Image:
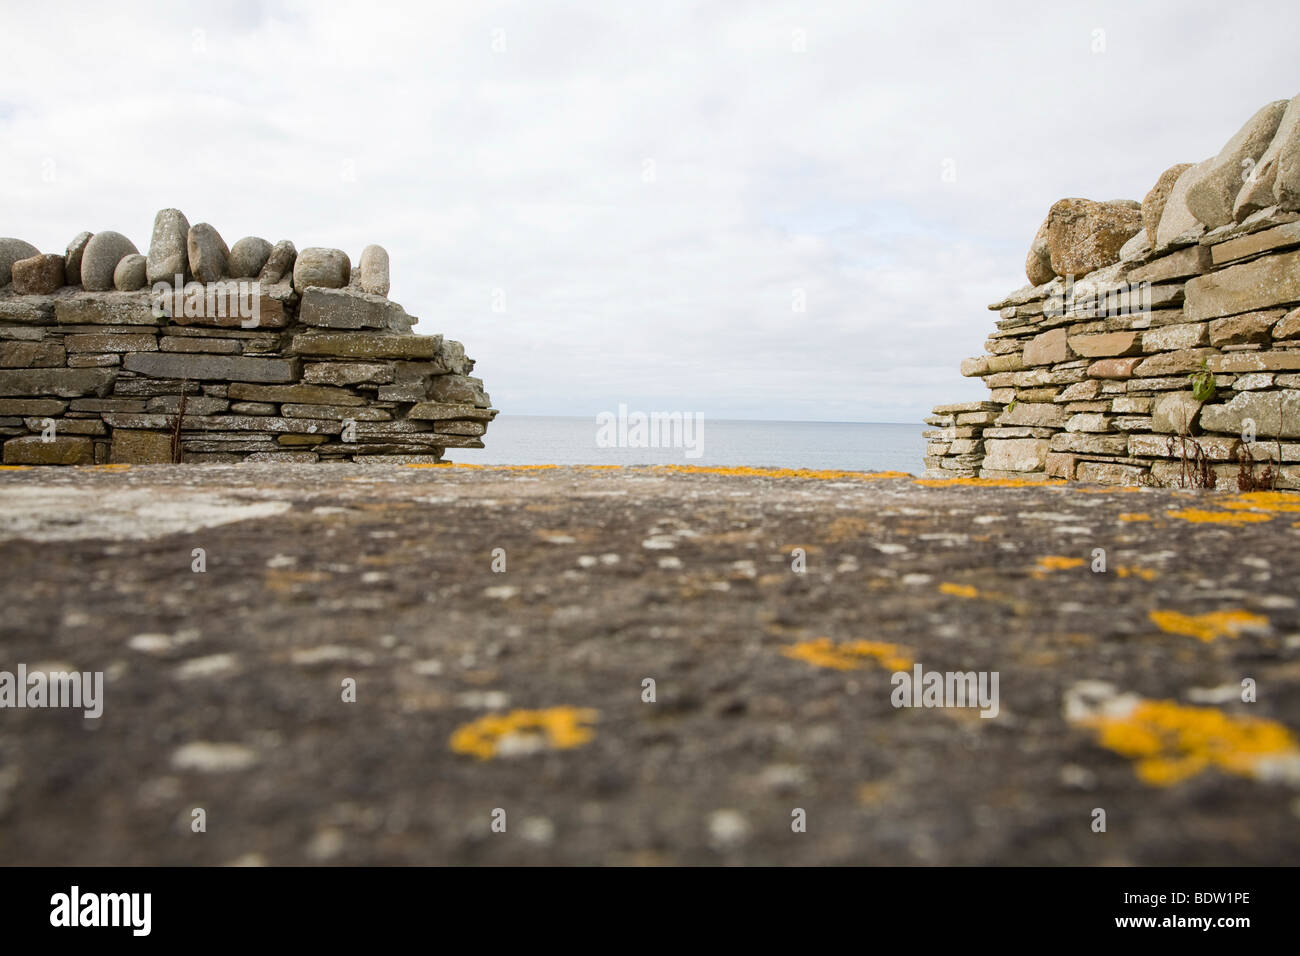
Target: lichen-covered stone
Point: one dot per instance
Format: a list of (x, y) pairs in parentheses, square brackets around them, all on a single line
[(168, 252), (38, 275), (1084, 236), (11, 251)]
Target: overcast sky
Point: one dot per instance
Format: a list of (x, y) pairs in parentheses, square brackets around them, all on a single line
[(622, 202)]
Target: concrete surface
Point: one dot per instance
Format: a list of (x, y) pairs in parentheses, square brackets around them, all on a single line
[(522, 691)]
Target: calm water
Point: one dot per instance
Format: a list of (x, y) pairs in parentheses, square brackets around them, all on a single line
[(857, 446)]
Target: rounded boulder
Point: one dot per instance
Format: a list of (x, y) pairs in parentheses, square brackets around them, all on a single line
[(99, 261), (131, 273), (208, 252), (11, 251), (247, 257), (325, 268)]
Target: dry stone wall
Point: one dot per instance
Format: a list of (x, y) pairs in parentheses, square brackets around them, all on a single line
[(202, 352), (1157, 343)]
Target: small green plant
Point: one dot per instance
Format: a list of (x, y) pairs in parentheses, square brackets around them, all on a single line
[(1013, 404), (1203, 384)]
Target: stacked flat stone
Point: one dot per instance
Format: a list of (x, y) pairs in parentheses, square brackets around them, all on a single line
[(92, 374), (1092, 379)]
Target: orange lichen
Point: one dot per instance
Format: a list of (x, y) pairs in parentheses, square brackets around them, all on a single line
[(1129, 571), (986, 483), (744, 470), (1273, 501), (849, 656), (1170, 742), (959, 590), (556, 728), (1209, 627), (1057, 562), (1135, 516), (472, 467), (1201, 516)]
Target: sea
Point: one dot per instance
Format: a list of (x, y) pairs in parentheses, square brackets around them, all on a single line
[(850, 446)]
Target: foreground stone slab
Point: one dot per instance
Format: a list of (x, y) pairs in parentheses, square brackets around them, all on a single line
[(380, 573)]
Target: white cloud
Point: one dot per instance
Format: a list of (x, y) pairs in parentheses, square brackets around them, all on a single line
[(523, 170)]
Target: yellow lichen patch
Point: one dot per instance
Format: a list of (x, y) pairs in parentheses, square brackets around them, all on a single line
[(1264, 501), (15, 467), (1058, 562), (986, 483), (959, 590), (1201, 516), (745, 470), (556, 728), (1170, 742), (116, 467), (849, 656), (1054, 562), (1209, 627), (1130, 571), (452, 464), (1135, 516)]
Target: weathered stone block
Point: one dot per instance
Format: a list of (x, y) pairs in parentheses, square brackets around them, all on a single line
[(1175, 413), (1113, 367), (1171, 363), (347, 373), (336, 412), (62, 450), (32, 355), (1242, 329), (302, 394), (63, 382), (112, 342), (1190, 261), (1247, 287), (438, 411), (1274, 361), (352, 309), (1104, 345), (1016, 454), (1275, 414), (1109, 473), (140, 447), (1047, 348), (229, 368), (1170, 337), (366, 345), (1034, 414), (105, 308)]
